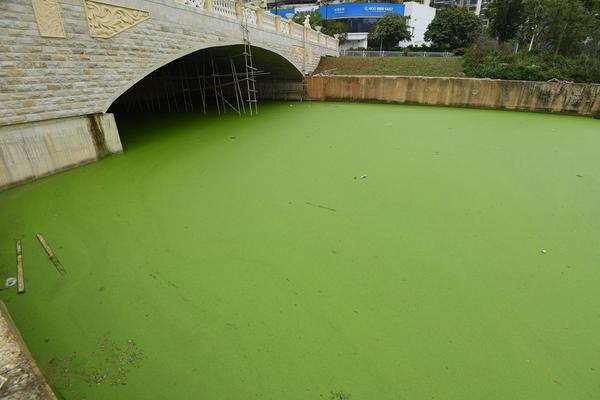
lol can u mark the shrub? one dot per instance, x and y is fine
(503, 64)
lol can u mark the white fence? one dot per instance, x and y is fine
(224, 7)
(367, 53)
(255, 16)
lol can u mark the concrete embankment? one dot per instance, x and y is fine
(33, 150)
(554, 97)
(20, 377)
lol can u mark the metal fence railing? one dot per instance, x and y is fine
(383, 53)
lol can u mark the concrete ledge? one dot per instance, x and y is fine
(33, 150)
(24, 380)
(553, 97)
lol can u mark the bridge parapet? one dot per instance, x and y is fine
(256, 16)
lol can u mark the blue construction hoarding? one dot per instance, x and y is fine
(354, 10)
(360, 10)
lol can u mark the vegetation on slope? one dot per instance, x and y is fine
(410, 66)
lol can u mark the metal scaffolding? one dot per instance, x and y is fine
(233, 89)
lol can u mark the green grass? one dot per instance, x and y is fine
(410, 66)
(246, 258)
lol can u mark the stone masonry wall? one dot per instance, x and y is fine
(44, 78)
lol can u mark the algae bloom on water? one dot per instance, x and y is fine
(239, 258)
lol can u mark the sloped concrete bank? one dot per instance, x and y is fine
(36, 149)
(553, 97)
(21, 378)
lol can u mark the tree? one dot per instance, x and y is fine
(329, 27)
(568, 26)
(560, 26)
(453, 28)
(592, 44)
(335, 27)
(390, 30)
(534, 23)
(315, 18)
(505, 16)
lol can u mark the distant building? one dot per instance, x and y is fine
(475, 6)
(359, 17)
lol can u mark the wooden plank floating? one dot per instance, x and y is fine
(20, 279)
(50, 253)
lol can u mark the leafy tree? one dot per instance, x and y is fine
(592, 44)
(453, 28)
(535, 21)
(335, 27)
(315, 18)
(390, 30)
(561, 26)
(568, 25)
(562, 38)
(505, 16)
(329, 27)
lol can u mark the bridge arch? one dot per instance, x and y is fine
(188, 80)
(267, 60)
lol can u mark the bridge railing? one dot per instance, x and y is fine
(262, 19)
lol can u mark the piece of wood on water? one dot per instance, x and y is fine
(20, 279)
(50, 253)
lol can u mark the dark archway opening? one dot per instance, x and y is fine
(212, 79)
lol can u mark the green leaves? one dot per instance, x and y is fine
(531, 67)
(505, 17)
(315, 18)
(330, 27)
(556, 26)
(389, 31)
(453, 28)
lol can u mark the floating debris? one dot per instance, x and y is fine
(20, 279)
(364, 176)
(339, 396)
(320, 206)
(50, 253)
(10, 282)
(109, 364)
(544, 251)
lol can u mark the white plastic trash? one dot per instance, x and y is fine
(10, 282)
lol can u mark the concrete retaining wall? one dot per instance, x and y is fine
(32, 150)
(555, 97)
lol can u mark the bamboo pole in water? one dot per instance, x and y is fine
(50, 253)
(20, 278)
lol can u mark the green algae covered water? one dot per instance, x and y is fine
(319, 251)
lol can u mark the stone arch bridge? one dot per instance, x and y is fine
(63, 63)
